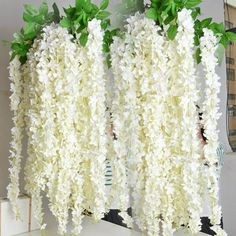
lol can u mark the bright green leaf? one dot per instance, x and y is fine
(152, 14)
(83, 39)
(104, 4)
(172, 31)
(103, 15)
(29, 28)
(192, 3)
(43, 10)
(30, 9)
(65, 22)
(220, 53)
(224, 41)
(231, 36)
(206, 22)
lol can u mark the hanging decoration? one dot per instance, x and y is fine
(59, 96)
(156, 119)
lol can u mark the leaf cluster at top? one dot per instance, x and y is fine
(78, 16)
(35, 20)
(165, 12)
(75, 20)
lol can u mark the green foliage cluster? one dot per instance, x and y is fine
(75, 20)
(35, 20)
(165, 12)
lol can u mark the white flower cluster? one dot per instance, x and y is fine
(17, 107)
(208, 45)
(156, 123)
(62, 89)
(146, 2)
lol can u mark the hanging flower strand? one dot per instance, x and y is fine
(211, 115)
(63, 103)
(17, 106)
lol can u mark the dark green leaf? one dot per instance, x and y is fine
(152, 14)
(103, 15)
(83, 39)
(196, 12)
(79, 19)
(196, 40)
(79, 30)
(108, 60)
(172, 31)
(57, 17)
(198, 55)
(104, 4)
(169, 19)
(106, 48)
(105, 24)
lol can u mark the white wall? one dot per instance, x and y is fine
(11, 21)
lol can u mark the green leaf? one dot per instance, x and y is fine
(27, 17)
(196, 40)
(172, 31)
(220, 53)
(217, 28)
(152, 14)
(85, 18)
(231, 36)
(65, 22)
(79, 4)
(192, 3)
(29, 28)
(198, 56)
(169, 19)
(79, 19)
(87, 7)
(196, 12)
(106, 48)
(70, 11)
(83, 39)
(82, 27)
(30, 9)
(104, 4)
(206, 22)
(105, 24)
(56, 11)
(108, 60)
(43, 10)
(17, 36)
(103, 15)
(224, 41)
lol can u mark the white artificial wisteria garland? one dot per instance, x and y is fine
(17, 107)
(208, 45)
(60, 92)
(156, 123)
